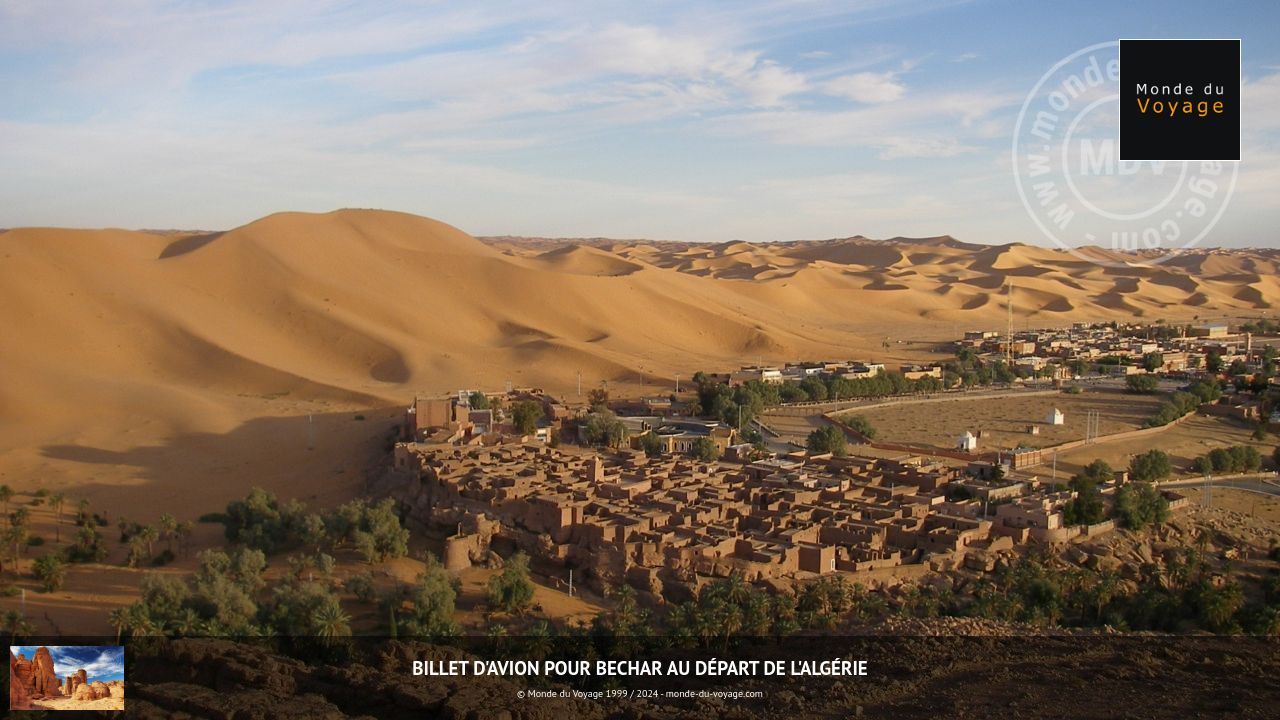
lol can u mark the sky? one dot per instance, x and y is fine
(703, 121)
(100, 663)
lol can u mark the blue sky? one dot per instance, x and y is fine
(668, 120)
(100, 663)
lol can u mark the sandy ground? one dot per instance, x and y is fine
(1004, 421)
(1184, 442)
(159, 373)
(69, 704)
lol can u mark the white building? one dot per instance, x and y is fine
(1056, 417)
(968, 442)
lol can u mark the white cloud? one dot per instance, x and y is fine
(867, 87)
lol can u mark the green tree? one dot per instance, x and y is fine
(56, 501)
(15, 623)
(361, 585)
(1152, 361)
(168, 529)
(183, 532)
(432, 599)
(827, 438)
(120, 620)
(50, 571)
(1150, 466)
(862, 425)
(651, 444)
(511, 591)
(478, 401)
(1086, 508)
(525, 415)
(604, 428)
(705, 450)
(329, 620)
(137, 551)
(598, 398)
(1140, 504)
(1142, 384)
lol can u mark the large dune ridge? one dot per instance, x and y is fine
(168, 371)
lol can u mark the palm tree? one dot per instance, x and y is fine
(168, 529)
(137, 551)
(16, 624)
(183, 533)
(6, 494)
(140, 622)
(55, 501)
(330, 621)
(538, 641)
(187, 623)
(18, 524)
(82, 512)
(121, 619)
(149, 535)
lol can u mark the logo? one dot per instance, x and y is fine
(1071, 180)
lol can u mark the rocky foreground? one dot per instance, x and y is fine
(996, 670)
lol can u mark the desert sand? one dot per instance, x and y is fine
(65, 703)
(163, 372)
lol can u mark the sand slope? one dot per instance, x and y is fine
(177, 369)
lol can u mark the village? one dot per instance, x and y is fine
(666, 499)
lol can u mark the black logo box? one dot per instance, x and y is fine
(1186, 69)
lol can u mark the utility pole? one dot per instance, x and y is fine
(677, 383)
(579, 383)
(570, 582)
(311, 432)
(1008, 337)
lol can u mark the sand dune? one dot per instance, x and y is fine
(137, 364)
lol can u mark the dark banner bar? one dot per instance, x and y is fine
(1091, 676)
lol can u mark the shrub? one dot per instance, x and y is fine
(827, 438)
(87, 548)
(862, 425)
(361, 585)
(1142, 384)
(1237, 458)
(215, 518)
(50, 571)
(374, 529)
